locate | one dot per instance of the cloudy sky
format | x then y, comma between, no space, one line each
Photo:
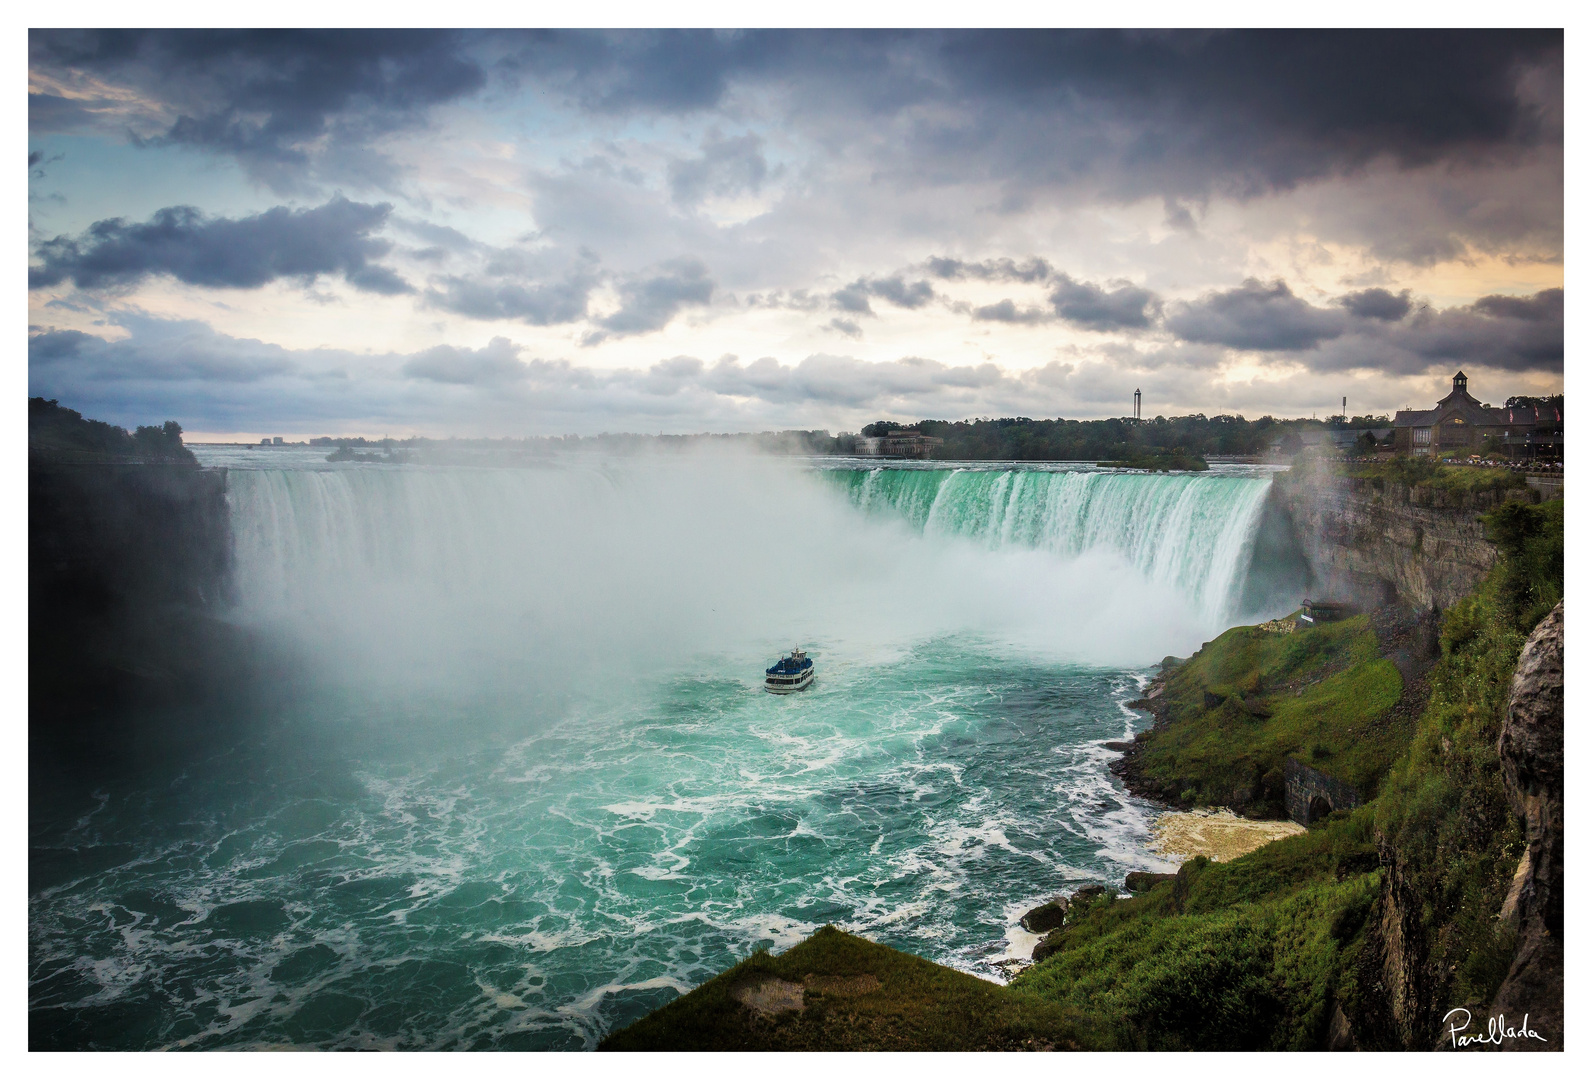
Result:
523,233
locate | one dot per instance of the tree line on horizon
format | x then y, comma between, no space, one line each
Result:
1024,439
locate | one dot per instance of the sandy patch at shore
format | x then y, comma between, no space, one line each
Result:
1218,834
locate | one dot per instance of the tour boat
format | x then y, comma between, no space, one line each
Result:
792,673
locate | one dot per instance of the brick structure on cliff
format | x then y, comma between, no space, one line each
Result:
1460,422
1310,795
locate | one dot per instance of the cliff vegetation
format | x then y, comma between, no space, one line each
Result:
1425,473
1227,720
63,434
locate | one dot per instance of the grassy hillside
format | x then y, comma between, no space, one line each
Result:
1247,955
1253,698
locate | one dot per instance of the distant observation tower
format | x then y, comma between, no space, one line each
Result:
1137,399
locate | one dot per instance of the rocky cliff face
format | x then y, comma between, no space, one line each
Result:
1372,542
128,571
1531,749
1401,1003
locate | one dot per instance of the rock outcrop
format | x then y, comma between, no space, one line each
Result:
1144,881
1376,542
128,579
1531,749
1046,917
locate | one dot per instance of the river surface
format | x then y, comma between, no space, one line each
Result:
525,786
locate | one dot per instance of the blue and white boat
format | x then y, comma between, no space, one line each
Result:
792,673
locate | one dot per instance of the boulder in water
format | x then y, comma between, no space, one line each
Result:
1046,917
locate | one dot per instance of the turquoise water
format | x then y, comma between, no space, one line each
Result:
526,787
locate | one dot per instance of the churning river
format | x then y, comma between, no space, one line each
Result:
520,783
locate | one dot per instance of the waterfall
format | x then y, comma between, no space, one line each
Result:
1189,533
565,574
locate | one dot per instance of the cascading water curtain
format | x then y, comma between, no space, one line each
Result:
1192,533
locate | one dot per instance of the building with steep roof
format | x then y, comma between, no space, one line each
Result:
1460,422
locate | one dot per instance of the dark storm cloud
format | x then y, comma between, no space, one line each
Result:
652,71
1082,303
271,98
1008,312
1377,304
1118,305
1545,307
898,292
895,289
1177,114
1256,315
725,167
852,298
1028,271
1375,330
243,253
648,302
1280,106
1508,332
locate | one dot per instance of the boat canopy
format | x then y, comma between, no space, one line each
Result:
794,664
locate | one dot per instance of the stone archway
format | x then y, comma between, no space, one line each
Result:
1320,807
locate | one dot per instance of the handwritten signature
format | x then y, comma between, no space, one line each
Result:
1497,1030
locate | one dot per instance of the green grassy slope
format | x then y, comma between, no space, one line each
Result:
1246,955
1328,697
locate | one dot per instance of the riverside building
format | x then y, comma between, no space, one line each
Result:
1460,422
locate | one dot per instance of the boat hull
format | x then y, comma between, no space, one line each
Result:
802,682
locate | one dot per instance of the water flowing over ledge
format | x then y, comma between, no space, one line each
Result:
1190,533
